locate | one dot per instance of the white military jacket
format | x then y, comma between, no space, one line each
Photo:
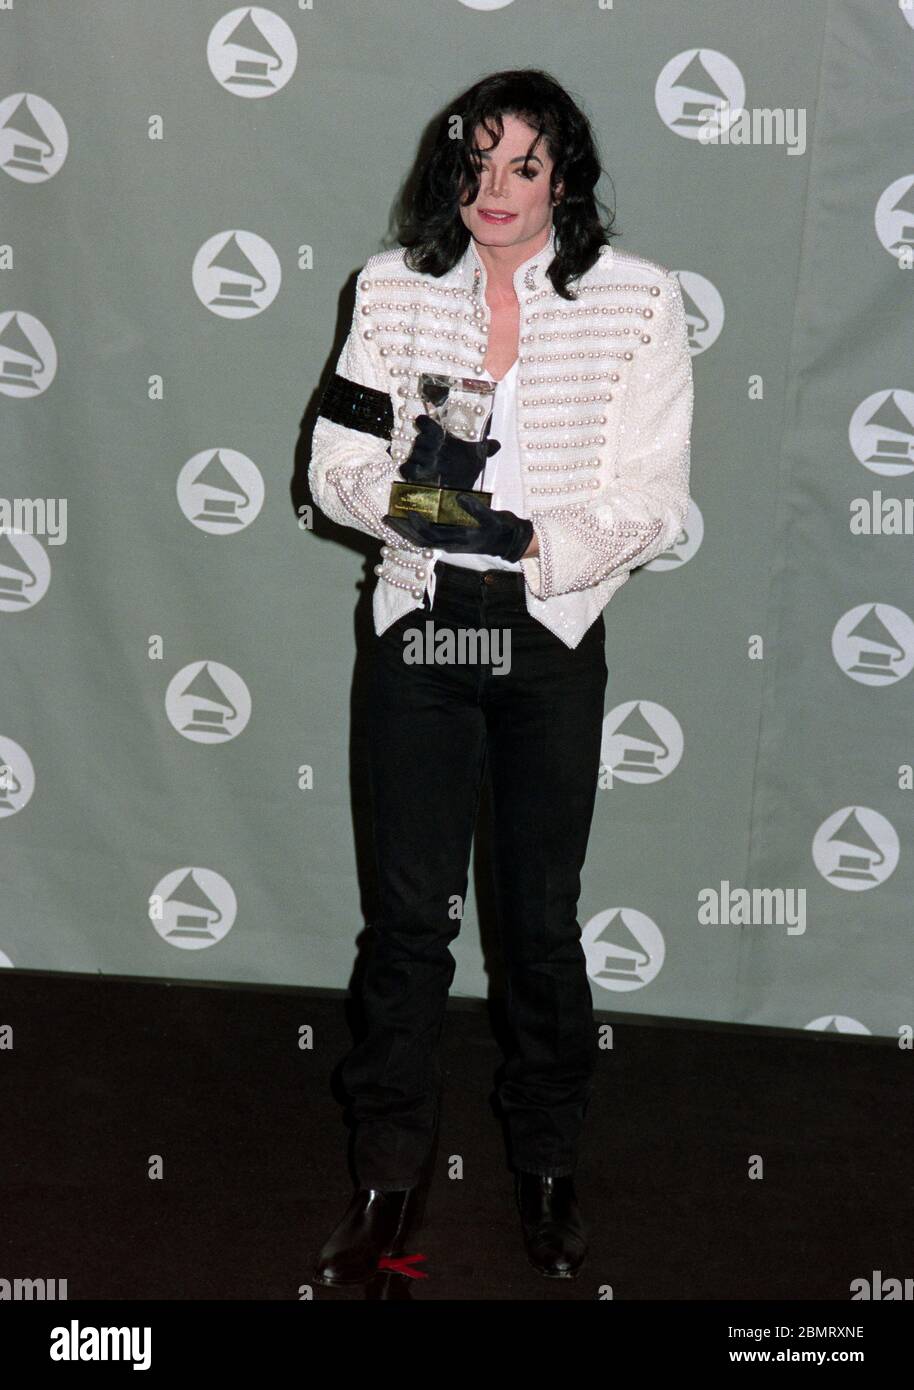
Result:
604,414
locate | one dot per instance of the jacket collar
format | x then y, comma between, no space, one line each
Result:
530,275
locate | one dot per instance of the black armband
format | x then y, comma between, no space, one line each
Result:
357,407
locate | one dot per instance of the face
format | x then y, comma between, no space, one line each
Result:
509,182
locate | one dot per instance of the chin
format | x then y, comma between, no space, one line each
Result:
510,231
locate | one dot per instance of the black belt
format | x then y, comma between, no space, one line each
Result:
462,579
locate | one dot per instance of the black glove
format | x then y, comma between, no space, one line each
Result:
442,458
499,533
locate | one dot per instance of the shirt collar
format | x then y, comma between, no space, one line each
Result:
530,275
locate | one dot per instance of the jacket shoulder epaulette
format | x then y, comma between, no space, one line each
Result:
624,269
629,259
386,261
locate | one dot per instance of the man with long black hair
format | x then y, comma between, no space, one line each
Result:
505,274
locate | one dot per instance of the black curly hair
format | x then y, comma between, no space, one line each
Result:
432,229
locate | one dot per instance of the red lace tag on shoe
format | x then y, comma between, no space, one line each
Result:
400,1265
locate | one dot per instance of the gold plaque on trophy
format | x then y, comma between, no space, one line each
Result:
462,407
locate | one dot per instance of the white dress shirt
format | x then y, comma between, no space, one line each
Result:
501,477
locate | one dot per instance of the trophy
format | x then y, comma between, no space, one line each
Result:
462,406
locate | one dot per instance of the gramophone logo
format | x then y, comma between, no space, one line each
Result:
874,644
624,949
193,908
221,491
236,274
208,702
28,358
855,849
699,88
881,433
642,742
894,218
17,777
33,138
252,52
25,571
704,310
835,1023
684,545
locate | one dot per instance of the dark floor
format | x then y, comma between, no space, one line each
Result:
104,1075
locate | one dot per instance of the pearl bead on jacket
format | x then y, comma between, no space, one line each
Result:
604,415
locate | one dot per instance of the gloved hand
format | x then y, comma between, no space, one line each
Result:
500,533
440,457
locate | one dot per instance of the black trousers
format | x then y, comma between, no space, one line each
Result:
432,726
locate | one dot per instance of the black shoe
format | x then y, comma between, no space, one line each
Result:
555,1236
375,1224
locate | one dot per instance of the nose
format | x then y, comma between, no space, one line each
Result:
494,184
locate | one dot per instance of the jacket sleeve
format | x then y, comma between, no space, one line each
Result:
350,471
642,512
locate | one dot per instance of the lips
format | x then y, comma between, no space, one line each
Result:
491,215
